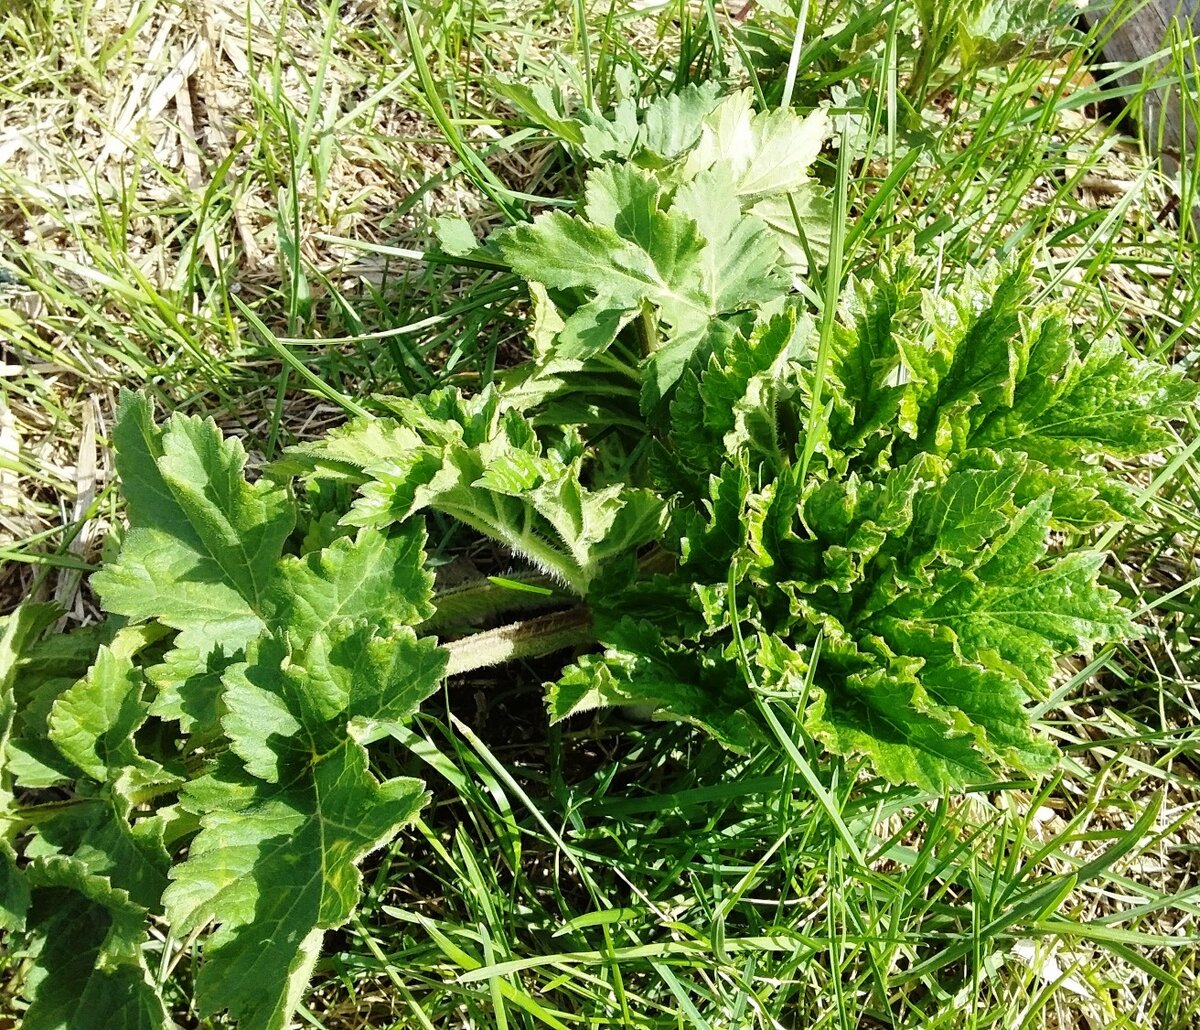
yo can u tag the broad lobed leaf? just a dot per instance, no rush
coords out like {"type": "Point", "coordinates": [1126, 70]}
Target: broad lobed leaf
{"type": "Point", "coordinates": [203, 544]}
{"type": "Point", "coordinates": [701, 216]}
{"type": "Point", "coordinates": [86, 939]}
{"type": "Point", "coordinates": [274, 863]}
{"type": "Point", "coordinates": [488, 469]}
{"type": "Point", "coordinates": [283, 664]}
{"type": "Point", "coordinates": [904, 566]}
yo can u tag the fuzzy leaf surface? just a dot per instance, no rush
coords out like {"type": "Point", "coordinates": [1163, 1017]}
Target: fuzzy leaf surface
{"type": "Point", "coordinates": [490, 470]}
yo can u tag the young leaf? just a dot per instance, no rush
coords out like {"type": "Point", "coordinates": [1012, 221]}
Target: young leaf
{"type": "Point", "coordinates": [766, 153]}
{"type": "Point", "coordinates": [455, 235]}
{"type": "Point", "coordinates": [203, 543]}
{"type": "Point", "coordinates": [92, 724]}
{"type": "Point", "coordinates": [491, 472]}
{"type": "Point", "coordinates": [691, 257]}
{"type": "Point", "coordinates": [865, 359]}
{"type": "Point", "coordinates": [672, 124]}
{"type": "Point", "coordinates": [732, 406]}
{"type": "Point", "coordinates": [968, 366]}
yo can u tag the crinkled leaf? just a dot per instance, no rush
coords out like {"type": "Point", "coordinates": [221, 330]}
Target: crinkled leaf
{"type": "Point", "coordinates": [188, 690]}
{"type": "Point", "coordinates": [969, 365]}
{"type": "Point", "coordinates": [865, 358]}
{"type": "Point", "coordinates": [678, 686]}
{"type": "Point", "coordinates": [711, 538]}
{"type": "Point", "coordinates": [889, 708]}
{"type": "Point", "coordinates": [98, 832]}
{"type": "Point", "coordinates": [373, 576]}
{"type": "Point", "coordinates": [954, 520]}
{"type": "Point", "coordinates": [1101, 402]}
{"type": "Point", "coordinates": [731, 406]}
{"type": "Point", "coordinates": [1026, 614]}
{"type": "Point", "coordinates": [86, 942]}
{"type": "Point", "coordinates": [93, 723]}
{"type": "Point", "coordinates": [989, 695]}
{"type": "Point", "coordinates": [886, 715]}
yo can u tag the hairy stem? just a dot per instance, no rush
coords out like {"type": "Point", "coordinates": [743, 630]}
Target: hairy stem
{"type": "Point", "coordinates": [26, 817]}
{"type": "Point", "coordinates": [645, 331]}
{"type": "Point", "coordinates": [483, 598]}
{"type": "Point", "coordinates": [530, 638]}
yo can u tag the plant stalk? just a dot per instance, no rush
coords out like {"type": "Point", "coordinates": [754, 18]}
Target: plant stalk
{"type": "Point", "coordinates": [529, 638]}
{"type": "Point", "coordinates": [475, 599]}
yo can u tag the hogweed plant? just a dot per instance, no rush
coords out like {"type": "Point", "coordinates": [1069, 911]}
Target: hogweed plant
{"type": "Point", "coordinates": [722, 513]}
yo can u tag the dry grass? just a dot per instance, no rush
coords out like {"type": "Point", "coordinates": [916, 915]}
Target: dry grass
{"type": "Point", "coordinates": [159, 162]}
{"type": "Point", "coordinates": [154, 162]}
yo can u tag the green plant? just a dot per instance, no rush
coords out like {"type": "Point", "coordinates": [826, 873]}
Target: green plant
{"type": "Point", "coordinates": [743, 514]}
{"type": "Point", "coordinates": [225, 710]}
{"type": "Point", "coordinates": [977, 34]}
{"type": "Point", "coordinates": [800, 48]}
{"type": "Point", "coordinates": [860, 517]}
